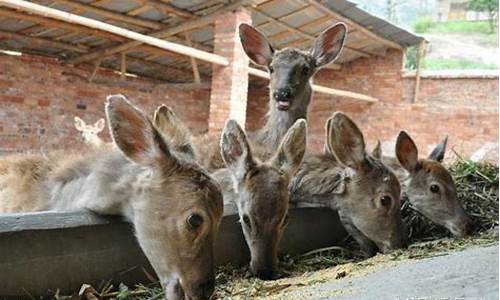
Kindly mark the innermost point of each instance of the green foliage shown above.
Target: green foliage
(455, 64)
(483, 5)
(411, 58)
(422, 24)
(490, 6)
(474, 27)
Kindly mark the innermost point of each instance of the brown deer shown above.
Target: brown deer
(291, 71)
(259, 189)
(427, 184)
(364, 192)
(175, 206)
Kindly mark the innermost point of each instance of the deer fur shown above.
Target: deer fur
(364, 192)
(174, 205)
(427, 184)
(291, 71)
(258, 188)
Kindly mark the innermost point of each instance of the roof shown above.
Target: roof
(286, 23)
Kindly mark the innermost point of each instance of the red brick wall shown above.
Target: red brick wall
(38, 102)
(465, 109)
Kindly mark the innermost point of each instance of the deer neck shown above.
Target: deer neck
(320, 181)
(278, 122)
(100, 183)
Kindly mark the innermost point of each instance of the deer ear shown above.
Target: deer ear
(134, 134)
(235, 150)
(99, 125)
(255, 44)
(346, 141)
(377, 151)
(79, 124)
(169, 125)
(291, 151)
(406, 152)
(328, 44)
(438, 153)
(328, 133)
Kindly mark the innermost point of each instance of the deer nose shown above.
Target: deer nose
(265, 274)
(284, 94)
(206, 288)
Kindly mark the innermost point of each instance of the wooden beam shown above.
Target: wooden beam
(55, 23)
(43, 42)
(420, 53)
(302, 33)
(353, 24)
(194, 65)
(96, 68)
(141, 38)
(286, 33)
(320, 89)
(123, 65)
(165, 33)
(168, 9)
(111, 14)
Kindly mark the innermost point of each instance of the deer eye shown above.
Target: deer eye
(194, 221)
(434, 188)
(306, 70)
(271, 69)
(386, 201)
(246, 220)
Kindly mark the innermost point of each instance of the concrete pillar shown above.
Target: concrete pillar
(228, 97)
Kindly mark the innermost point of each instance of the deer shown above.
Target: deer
(258, 188)
(90, 132)
(364, 192)
(427, 184)
(174, 204)
(290, 86)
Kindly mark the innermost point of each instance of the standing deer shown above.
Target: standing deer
(291, 71)
(258, 188)
(427, 184)
(175, 206)
(364, 192)
(90, 132)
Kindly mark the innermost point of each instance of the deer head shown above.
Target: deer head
(291, 69)
(261, 190)
(176, 208)
(90, 132)
(370, 203)
(430, 187)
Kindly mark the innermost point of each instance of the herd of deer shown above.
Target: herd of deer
(173, 186)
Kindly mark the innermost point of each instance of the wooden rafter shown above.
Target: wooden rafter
(302, 33)
(111, 15)
(185, 26)
(43, 42)
(168, 9)
(59, 24)
(92, 23)
(352, 24)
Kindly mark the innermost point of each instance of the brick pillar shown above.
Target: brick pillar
(228, 98)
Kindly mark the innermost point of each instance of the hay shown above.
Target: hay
(477, 190)
(477, 187)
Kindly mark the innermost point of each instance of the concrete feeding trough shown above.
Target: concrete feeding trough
(46, 251)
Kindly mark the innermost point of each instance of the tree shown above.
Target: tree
(490, 6)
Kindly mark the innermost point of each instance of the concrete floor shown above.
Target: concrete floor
(468, 275)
